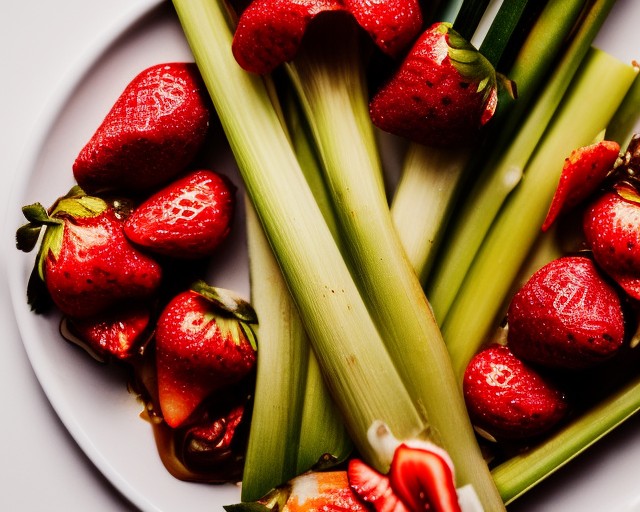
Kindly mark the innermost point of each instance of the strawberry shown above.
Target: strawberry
(214, 445)
(189, 218)
(204, 343)
(373, 487)
(119, 333)
(423, 479)
(85, 261)
(566, 316)
(611, 226)
(269, 32)
(508, 399)
(441, 95)
(583, 172)
(152, 132)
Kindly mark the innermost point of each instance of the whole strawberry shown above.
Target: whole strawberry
(442, 94)
(566, 316)
(611, 226)
(84, 260)
(269, 32)
(204, 342)
(507, 399)
(117, 334)
(189, 218)
(152, 132)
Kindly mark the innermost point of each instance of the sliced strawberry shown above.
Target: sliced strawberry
(508, 399)
(566, 316)
(583, 172)
(442, 94)
(152, 132)
(611, 225)
(423, 479)
(269, 32)
(373, 487)
(203, 343)
(189, 218)
(85, 261)
(119, 333)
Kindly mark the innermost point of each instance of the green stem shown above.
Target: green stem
(330, 82)
(469, 17)
(522, 472)
(602, 81)
(504, 168)
(360, 375)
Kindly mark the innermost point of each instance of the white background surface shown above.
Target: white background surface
(42, 468)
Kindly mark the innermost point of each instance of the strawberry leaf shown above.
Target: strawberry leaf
(227, 300)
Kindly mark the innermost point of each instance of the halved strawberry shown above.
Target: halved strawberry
(566, 316)
(508, 399)
(584, 170)
(152, 132)
(84, 260)
(373, 487)
(189, 218)
(442, 94)
(611, 226)
(423, 479)
(269, 32)
(204, 342)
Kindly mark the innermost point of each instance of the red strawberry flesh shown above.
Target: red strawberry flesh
(611, 227)
(507, 398)
(152, 132)
(189, 218)
(269, 32)
(97, 267)
(373, 487)
(583, 171)
(566, 316)
(429, 101)
(197, 353)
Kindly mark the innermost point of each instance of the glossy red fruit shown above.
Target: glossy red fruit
(204, 342)
(269, 32)
(507, 399)
(611, 226)
(85, 261)
(423, 479)
(583, 172)
(119, 333)
(189, 218)
(442, 94)
(152, 132)
(373, 487)
(566, 316)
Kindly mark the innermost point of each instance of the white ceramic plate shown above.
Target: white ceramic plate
(94, 404)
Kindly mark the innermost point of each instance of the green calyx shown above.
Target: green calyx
(230, 304)
(469, 62)
(75, 204)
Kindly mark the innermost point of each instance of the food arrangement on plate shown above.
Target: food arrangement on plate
(515, 215)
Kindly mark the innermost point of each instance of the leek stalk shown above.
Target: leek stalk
(602, 82)
(503, 170)
(356, 366)
(328, 75)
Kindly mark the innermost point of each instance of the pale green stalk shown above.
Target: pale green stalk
(423, 201)
(601, 83)
(355, 363)
(503, 171)
(329, 79)
(522, 472)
